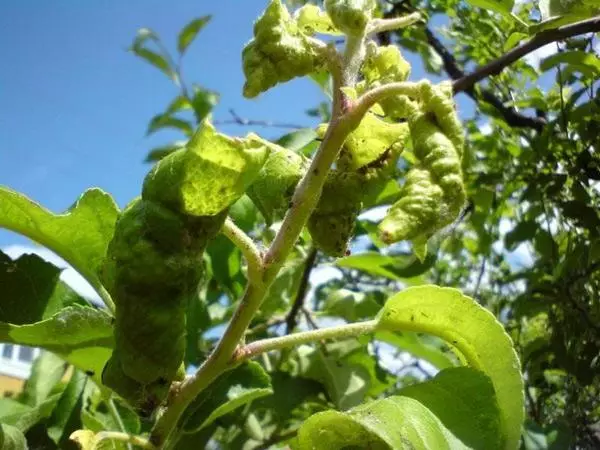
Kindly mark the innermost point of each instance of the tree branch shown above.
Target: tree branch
(291, 319)
(539, 40)
(510, 115)
(239, 120)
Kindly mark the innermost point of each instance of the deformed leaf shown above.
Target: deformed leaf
(80, 235)
(190, 31)
(278, 52)
(211, 173)
(474, 332)
(230, 391)
(311, 19)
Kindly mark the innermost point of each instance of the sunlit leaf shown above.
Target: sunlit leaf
(474, 332)
(80, 235)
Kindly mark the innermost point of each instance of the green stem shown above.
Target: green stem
(242, 241)
(381, 25)
(106, 298)
(114, 412)
(291, 340)
(124, 437)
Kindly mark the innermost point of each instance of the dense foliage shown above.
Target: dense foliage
(209, 271)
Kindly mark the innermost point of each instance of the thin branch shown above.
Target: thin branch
(291, 320)
(242, 241)
(395, 23)
(512, 117)
(292, 340)
(238, 120)
(539, 40)
(124, 437)
(309, 318)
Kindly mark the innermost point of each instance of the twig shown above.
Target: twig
(479, 277)
(292, 340)
(246, 245)
(124, 437)
(512, 117)
(291, 319)
(309, 318)
(539, 40)
(238, 120)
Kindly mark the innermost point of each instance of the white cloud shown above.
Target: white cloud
(68, 274)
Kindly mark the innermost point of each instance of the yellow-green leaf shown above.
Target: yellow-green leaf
(474, 332)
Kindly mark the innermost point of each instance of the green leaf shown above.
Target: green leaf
(28, 289)
(189, 33)
(568, 8)
(523, 231)
(24, 417)
(347, 384)
(393, 423)
(417, 346)
(513, 40)
(66, 416)
(82, 336)
(455, 410)
(372, 263)
(155, 59)
(585, 62)
(166, 120)
(231, 390)
(203, 102)
(210, 174)
(11, 438)
(396, 267)
(47, 370)
(297, 140)
(464, 400)
(474, 332)
(80, 235)
(500, 6)
(351, 305)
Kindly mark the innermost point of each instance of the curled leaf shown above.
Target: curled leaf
(474, 332)
(211, 173)
(350, 16)
(274, 186)
(279, 51)
(311, 19)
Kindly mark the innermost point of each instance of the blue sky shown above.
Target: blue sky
(74, 104)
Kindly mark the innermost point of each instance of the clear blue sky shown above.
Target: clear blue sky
(74, 104)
